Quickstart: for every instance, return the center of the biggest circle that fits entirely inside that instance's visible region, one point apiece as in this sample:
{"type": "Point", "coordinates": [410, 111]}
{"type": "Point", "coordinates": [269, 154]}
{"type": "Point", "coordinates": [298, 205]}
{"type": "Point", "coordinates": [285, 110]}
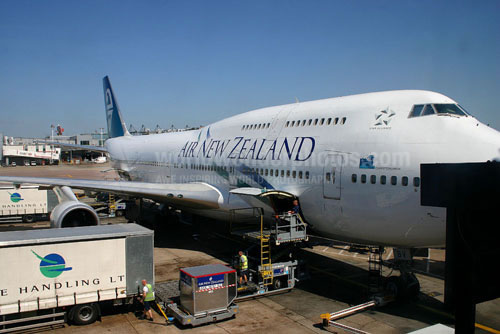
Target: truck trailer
{"type": "Point", "coordinates": [70, 272]}
{"type": "Point", "coordinates": [27, 203]}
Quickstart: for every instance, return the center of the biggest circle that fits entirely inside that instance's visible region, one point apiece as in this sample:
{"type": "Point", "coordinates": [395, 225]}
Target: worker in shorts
{"type": "Point", "coordinates": [148, 296]}
{"type": "Point", "coordinates": [243, 268]}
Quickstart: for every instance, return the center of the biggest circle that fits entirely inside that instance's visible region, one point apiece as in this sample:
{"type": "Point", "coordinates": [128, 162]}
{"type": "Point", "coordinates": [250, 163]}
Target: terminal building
{"type": "Point", "coordinates": [13, 154]}
{"type": "Point", "coordinates": [18, 151]}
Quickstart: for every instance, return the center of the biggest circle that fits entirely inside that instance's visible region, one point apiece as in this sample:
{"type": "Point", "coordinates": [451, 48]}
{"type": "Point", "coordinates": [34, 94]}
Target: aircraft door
{"type": "Point", "coordinates": [332, 172]}
{"type": "Point", "coordinates": [279, 121]}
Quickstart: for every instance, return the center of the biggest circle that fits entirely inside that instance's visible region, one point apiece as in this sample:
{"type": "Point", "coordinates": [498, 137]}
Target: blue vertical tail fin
{"type": "Point", "coordinates": [116, 125]}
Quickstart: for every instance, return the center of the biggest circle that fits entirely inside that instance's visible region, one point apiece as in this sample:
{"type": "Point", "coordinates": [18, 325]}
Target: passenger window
{"type": "Point", "coordinates": [354, 178]}
{"type": "Point", "coordinates": [292, 124]}
{"type": "Point", "coordinates": [373, 179]}
{"type": "Point", "coordinates": [417, 109]}
{"type": "Point", "coordinates": [286, 125]}
{"type": "Point", "coordinates": [404, 181]}
{"type": "Point", "coordinates": [243, 127]}
{"type": "Point", "coordinates": [277, 173]}
{"type": "Point", "coordinates": [300, 174]}
{"type": "Point", "coordinates": [307, 175]}
{"type": "Point", "coordinates": [336, 121]}
{"type": "Point", "coordinates": [266, 172]}
{"type": "Point", "coordinates": [394, 180]}
{"type": "Point", "coordinates": [310, 121]}
{"type": "Point", "coordinates": [298, 123]}
{"type": "Point", "coordinates": [262, 171]}
{"type": "Point", "coordinates": [344, 119]}
{"type": "Point", "coordinates": [428, 110]}
{"type": "Point", "coordinates": [268, 125]}
{"type": "Point", "coordinates": [328, 121]}
{"type": "Point", "coordinates": [316, 121]}
{"type": "Point", "coordinates": [294, 174]}
{"type": "Point", "coordinates": [327, 177]}
{"type": "Point", "coordinates": [287, 173]}
{"type": "Point", "coordinates": [282, 173]}
{"type": "Point", "coordinates": [303, 122]}
{"type": "Point", "coordinates": [383, 179]}
{"type": "Point", "coordinates": [416, 182]}
{"type": "Point", "coordinates": [271, 172]}
{"type": "Point", "coordinates": [363, 178]}
{"type": "Point", "coordinates": [322, 121]}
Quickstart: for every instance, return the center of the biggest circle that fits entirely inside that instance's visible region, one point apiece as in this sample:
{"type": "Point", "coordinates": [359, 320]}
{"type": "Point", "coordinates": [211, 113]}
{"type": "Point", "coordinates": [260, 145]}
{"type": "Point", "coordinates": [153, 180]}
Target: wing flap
{"type": "Point", "coordinates": [193, 195]}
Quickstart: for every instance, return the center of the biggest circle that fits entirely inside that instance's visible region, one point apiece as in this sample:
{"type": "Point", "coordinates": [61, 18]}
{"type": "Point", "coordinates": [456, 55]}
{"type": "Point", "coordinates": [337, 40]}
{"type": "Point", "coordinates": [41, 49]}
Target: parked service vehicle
{"type": "Point", "coordinates": [68, 273]}
{"type": "Point", "coordinates": [33, 163]}
{"type": "Point", "coordinates": [27, 203]}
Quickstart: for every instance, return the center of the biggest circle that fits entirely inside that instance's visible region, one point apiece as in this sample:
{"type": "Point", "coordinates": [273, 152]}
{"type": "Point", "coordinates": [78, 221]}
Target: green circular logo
{"type": "Point", "coordinates": [16, 197]}
{"type": "Point", "coordinates": [52, 265]}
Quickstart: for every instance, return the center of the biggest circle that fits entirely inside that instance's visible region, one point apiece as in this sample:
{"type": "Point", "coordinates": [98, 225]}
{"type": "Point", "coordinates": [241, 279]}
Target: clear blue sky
{"type": "Point", "coordinates": [194, 62]}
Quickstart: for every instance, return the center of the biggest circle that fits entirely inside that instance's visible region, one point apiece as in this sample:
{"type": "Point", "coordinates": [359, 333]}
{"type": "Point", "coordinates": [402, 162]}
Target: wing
{"type": "Point", "coordinates": [192, 195]}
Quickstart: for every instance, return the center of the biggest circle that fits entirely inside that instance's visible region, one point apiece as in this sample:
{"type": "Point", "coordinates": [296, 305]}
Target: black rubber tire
{"type": "Point", "coordinates": [277, 283]}
{"type": "Point", "coordinates": [84, 314]}
{"type": "Point", "coordinates": [393, 285]}
{"type": "Point", "coordinates": [405, 287]}
{"type": "Point", "coordinates": [412, 287]}
{"type": "Point", "coordinates": [28, 219]}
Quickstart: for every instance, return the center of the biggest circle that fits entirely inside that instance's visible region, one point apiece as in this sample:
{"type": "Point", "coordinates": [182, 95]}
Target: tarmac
{"type": "Point", "coordinates": [338, 279]}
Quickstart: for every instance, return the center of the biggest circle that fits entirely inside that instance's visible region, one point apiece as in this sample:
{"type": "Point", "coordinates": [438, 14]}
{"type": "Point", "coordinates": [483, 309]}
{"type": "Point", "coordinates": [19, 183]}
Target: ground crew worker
{"type": "Point", "coordinates": [296, 208]}
{"type": "Point", "coordinates": [148, 296]}
{"type": "Point", "coordinates": [243, 268]}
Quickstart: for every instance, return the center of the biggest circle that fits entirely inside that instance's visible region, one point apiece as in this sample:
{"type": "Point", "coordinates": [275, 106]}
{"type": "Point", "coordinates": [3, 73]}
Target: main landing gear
{"type": "Point", "coordinates": [406, 285]}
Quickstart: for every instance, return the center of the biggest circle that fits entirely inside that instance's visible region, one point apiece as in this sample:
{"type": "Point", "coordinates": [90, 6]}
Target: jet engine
{"type": "Point", "coordinates": [73, 214]}
{"type": "Point", "coordinates": [70, 212]}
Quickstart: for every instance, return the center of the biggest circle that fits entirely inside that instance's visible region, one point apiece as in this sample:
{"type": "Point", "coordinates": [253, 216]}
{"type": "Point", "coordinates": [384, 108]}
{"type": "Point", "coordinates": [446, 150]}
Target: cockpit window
{"type": "Point", "coordinates": [451, 109]}
{"type": "Point", "coordinates": [428, 110]}
{"type": "Point", "coordinates": [440, 109]}
{"type": "Point", "coordinates": [417, 109]}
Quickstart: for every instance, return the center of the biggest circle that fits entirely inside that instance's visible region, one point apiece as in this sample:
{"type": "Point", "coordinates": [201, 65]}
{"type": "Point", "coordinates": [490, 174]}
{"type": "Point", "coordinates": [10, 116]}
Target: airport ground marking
{"type": "Point", "coordinates": [486, 328]}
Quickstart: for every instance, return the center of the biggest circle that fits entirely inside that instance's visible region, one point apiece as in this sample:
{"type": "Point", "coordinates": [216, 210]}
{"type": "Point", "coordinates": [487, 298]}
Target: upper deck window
{"type": "Point", "coordinates": [437, 108]}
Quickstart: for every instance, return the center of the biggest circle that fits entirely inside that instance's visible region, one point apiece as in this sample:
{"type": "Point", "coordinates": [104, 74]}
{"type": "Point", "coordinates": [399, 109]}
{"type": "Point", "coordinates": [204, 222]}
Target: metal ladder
{"type": "Point", "coordinates": [266, 266]}
{"type": "Point", "coordinates": [375, 269]}
{"type": "Point", "coordinates": [111, 205]}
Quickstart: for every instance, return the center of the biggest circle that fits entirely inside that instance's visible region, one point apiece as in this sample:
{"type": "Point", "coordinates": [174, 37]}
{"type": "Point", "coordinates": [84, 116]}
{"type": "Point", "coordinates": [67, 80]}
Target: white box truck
{"type": "Point", "coordinates": [69, 272]}
{"type": "Point", "coordinates": [27, 203]}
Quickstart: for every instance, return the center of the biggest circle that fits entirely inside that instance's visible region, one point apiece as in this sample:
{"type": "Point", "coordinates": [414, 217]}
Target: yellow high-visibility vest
{"type": "Point", "coordinates": [150, 294]}
{"type": "Point", "coordinates": [243, 262]}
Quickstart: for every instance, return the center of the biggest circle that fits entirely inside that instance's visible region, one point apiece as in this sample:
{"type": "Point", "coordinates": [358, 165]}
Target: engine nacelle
{"type": "Point", "coordinates": [73, 214]}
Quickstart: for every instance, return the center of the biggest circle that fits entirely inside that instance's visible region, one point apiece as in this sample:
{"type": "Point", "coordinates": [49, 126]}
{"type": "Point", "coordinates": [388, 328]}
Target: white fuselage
{"type": "Point", "coordinates": [335, 161]}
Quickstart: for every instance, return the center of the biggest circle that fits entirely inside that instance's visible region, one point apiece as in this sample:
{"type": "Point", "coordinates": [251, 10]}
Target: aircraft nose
{"type": "Point", "coordinates": [495, 144]}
